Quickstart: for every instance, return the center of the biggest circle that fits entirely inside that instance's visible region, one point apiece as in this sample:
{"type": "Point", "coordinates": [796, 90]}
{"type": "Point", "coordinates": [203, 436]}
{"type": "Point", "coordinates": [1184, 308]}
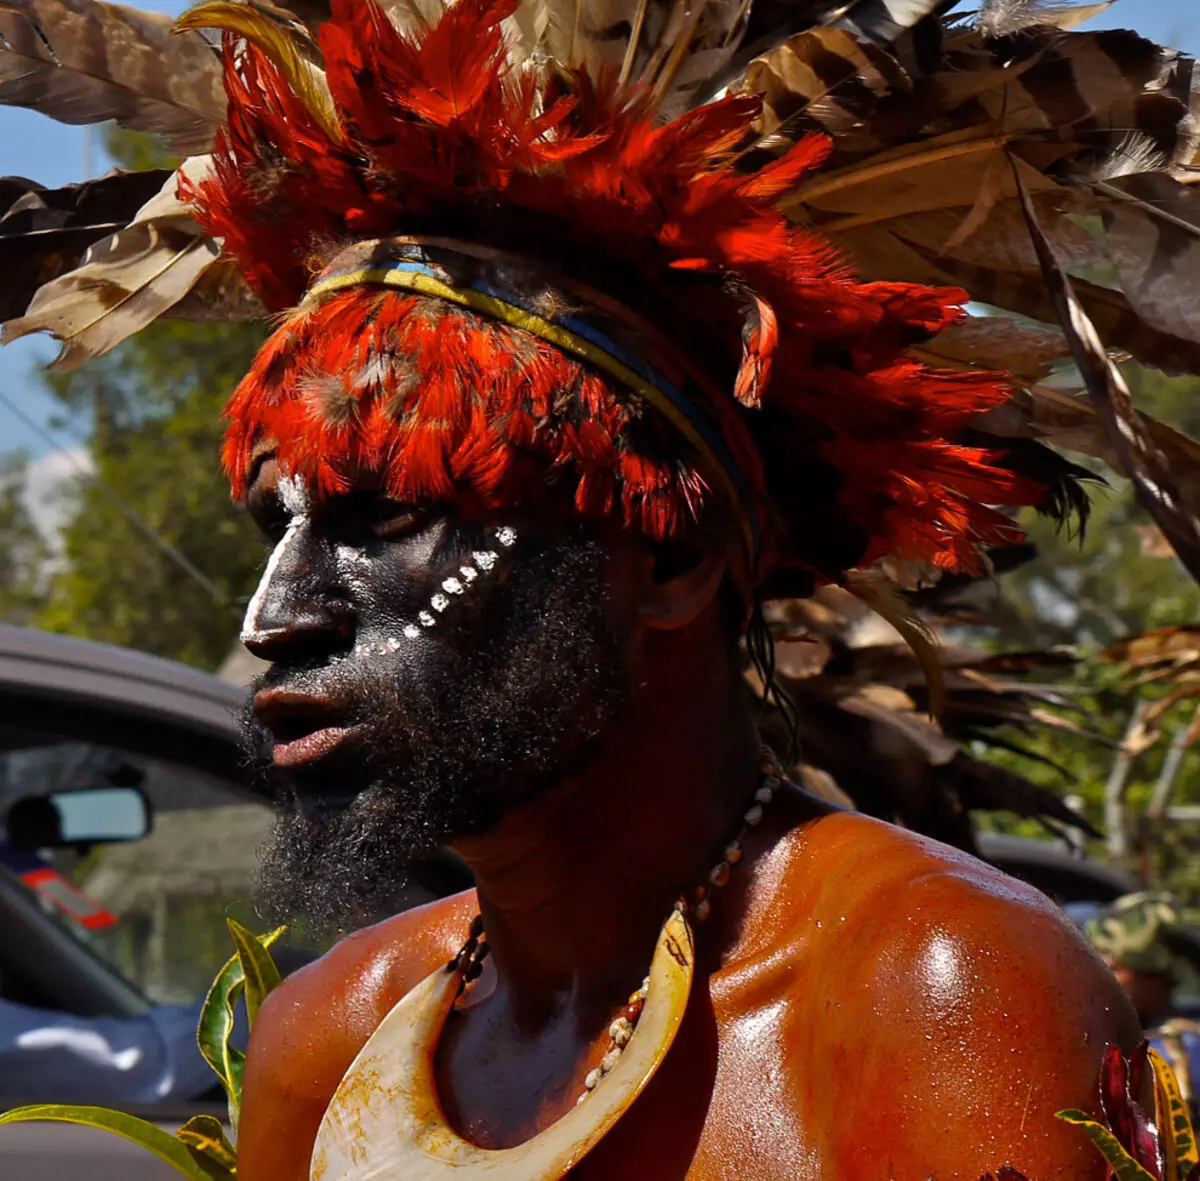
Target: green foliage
{"type": "Point", "coordinates": [1164, 1143]}
{"type": "Point", "coordinates": [200, 1150]}
{"type": "Point", "coordinates": [196, 1166]}
{"type": "Point", "coordinates": [156, 501]}
{"type": "Point", "coordinates": [154, 406]}
{"type": "Point", "coordinates": [23, 551]}
{"type": "Point", "coordinates": [1088, 596]}
{"type": "Point", "coordinates": [252, 963]}
{"type": "Point", "coordinates": [1105, 588]}
{"type": "Point", "coordinates": [1123, 1166]}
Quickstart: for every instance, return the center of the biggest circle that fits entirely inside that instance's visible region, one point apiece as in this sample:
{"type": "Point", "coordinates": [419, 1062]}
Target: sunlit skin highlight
{"type": "Point", "coordinates": [868, 1004]}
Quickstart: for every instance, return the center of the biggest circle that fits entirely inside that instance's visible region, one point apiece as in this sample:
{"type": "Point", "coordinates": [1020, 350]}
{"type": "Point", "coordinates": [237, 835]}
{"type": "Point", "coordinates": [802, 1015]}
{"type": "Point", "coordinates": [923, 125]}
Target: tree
{"type": "Point", "coordinates": [154, 406]}
{"type": "Point", "coordinates": [154, 554]}
{"type": "Point", "coordinates": [1106, 586]}
{"type": "Point", "coordinates": [23, 551]}
{"type": "Point", "coordinates": [1089, 595]}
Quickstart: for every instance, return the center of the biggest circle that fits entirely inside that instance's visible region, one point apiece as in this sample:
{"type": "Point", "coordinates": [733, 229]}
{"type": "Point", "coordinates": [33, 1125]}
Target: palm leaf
{"type": "Point", "coordinates": [1142, 458]}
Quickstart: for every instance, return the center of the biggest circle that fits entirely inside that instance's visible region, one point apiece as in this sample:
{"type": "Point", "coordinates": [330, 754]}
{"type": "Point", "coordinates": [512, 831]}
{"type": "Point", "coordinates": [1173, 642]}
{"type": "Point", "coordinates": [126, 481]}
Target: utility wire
{"type": "Point", "coordinates": [134, 518]}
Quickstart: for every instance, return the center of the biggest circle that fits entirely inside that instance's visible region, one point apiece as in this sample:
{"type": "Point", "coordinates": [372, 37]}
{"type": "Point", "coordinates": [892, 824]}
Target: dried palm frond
{"type": "Point", "coordinates": [125, 280]}
{"type": "Point", "coordinates": [865, 732]}
{"type": "Point", "coordinates": [1168, 657]}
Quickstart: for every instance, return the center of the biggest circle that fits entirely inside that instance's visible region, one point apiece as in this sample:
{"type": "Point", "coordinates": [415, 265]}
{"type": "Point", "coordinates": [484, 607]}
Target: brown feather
{"type": "Point", "coordinates": [83, 61]}
{"type": "Point", "coordinates": [45, 232]}
{"type": "Point", "coordinates": [1148, 467]}
{"type": "Point", "coordinates": [1152, 226]}
{"type": "Point", "coordinates": [125, 281]}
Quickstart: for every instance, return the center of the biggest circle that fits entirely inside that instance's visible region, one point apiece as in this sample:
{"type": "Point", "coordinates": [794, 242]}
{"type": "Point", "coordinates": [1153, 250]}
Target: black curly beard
{"type": "Point", "coordinates": [514, 696]}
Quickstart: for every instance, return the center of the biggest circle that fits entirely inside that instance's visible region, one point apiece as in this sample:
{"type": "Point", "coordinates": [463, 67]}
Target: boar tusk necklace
{"type": "Point", "coordinates": [386, 1122]}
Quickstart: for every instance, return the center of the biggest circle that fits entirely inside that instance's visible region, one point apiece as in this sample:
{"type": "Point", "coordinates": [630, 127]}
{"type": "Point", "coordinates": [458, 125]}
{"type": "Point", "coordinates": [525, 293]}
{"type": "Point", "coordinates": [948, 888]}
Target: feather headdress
{"type": "Point", "coordinates": [681, 264]}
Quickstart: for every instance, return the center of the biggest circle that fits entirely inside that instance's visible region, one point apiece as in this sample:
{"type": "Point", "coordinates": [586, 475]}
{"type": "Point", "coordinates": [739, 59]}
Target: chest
{"type": "Point", "coordinates": [722, 1104]}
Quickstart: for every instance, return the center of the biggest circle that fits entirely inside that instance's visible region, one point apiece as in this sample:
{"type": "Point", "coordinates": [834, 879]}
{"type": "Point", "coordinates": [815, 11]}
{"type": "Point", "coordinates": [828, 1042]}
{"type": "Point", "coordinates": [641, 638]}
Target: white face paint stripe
{"type": "Point", "coordinates": [251, 626]}
{"type": "Point", "coordinates": [293, 492]}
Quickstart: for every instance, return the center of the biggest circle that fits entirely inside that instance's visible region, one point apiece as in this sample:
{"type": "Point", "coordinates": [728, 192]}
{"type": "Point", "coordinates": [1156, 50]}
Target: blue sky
{"type": "Point", "coordinates": [52, 154]}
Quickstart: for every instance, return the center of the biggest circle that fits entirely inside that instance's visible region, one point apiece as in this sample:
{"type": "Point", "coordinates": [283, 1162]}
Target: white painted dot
{"type": "Point", "coordinates": [469, 573]}
{"type": "Point", "coordinates": [411, 631]}
{"type": "Point", "coordinates": [393, 644]}
{"type": "Point", "coordinates": [506, 536]}
{"type": "Point", "coordinates": [439, 602]}
{"type": "Point", "coordinates": [452, 586]}
{"type": "Point", "coordinates": [485, 559]}
{"type": "Point", "coordinates": [426, 619]}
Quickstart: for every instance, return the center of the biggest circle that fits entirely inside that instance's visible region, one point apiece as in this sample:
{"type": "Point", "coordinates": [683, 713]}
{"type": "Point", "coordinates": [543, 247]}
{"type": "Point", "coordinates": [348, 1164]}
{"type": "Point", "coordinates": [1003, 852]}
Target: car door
{"type": "Point", "coordinates": [103, 938]}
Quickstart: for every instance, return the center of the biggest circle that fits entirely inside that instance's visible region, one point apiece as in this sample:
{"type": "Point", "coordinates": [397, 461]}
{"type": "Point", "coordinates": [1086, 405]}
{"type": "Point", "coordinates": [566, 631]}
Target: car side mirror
{"type": "Point", "coordinates": [90, 816]}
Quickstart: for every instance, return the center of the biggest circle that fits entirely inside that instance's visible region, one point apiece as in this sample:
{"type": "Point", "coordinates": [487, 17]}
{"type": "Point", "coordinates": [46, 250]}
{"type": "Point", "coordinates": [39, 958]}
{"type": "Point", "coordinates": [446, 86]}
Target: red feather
{"type": "Point", "coordinates": [442, 135]}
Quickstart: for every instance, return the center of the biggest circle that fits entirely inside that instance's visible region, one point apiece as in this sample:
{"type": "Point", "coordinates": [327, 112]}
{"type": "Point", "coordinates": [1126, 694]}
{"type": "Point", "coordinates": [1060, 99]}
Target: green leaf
{"type": "Point", "coordinates": [194, 1166]}
{"type": "Point", "coordinates": [216, 1027]}
{"type": "Point", "coordinates": [1124, 1167]}
{"type": "Point", "coordinates": [1174, 1121]}
{"type": "Point", "coordinates": [204, 1134]}
{"type": "Point", "coordinates": [261, 975]}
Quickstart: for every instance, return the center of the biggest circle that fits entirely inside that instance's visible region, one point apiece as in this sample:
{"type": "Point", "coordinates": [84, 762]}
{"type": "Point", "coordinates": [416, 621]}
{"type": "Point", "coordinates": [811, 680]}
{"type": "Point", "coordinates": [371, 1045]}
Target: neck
{"type": "Point", "coordinates": [575, 888]}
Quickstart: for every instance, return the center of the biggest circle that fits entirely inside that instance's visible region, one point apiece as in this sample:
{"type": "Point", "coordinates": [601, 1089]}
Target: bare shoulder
{"type": "Point", "coordinates": [969, 994]}
{"type": "Point", "coordinates": [947, 932]}
{"type": "Point", "coordinates": [313, 1025]}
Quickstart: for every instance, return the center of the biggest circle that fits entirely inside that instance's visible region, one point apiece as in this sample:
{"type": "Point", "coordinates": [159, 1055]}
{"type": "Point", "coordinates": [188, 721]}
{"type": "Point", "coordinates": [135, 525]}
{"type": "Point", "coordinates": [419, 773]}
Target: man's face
{"type": "Point", "coordinates": [430, 673]}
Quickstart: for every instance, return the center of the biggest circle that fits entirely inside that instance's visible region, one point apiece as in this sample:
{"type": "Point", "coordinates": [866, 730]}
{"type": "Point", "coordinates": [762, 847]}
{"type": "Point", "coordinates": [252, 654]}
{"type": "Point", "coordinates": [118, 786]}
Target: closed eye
{"type": "Point", "coordinates": [397, 520]}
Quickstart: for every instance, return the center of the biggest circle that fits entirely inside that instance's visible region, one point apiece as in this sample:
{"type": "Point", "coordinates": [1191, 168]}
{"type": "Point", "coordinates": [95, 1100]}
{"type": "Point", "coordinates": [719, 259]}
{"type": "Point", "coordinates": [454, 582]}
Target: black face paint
{"type": "Point", "coordinates": [504, 697]}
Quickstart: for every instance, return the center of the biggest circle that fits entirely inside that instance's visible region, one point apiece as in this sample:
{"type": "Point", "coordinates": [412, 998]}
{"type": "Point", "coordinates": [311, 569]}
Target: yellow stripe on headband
{"type": "Point", "coordinates": [555, 334]}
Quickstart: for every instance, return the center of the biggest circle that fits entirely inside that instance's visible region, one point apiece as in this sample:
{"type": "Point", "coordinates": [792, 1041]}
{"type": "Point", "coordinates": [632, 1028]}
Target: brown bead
{"type": "Point", "coordinates": [719, 876]}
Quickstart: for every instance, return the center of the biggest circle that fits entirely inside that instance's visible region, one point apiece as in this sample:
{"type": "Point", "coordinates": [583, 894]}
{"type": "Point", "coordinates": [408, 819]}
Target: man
{"type": "Point", "coordinates": [502, 610]}
{"type": "Point", "coordinates": [557, 398]}
{"type": "Point", "coordinates": [1134, 938]}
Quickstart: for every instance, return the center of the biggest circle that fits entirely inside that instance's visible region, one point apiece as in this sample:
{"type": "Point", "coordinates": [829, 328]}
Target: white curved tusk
{"type": "Point", "coordinates": [386, 1121]}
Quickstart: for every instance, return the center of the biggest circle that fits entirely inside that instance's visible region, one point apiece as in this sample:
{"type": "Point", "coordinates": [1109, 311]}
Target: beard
{"type": "Point", "coordinates": [513, 694]}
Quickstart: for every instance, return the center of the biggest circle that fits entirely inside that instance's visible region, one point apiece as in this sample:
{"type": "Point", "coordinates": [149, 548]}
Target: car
{"type": "Point", "coordinates": [110, 928]}
{"type": "Point", "coordinates": [136, 917]}
{"type": "Point", "coordinates": [1061, 873]}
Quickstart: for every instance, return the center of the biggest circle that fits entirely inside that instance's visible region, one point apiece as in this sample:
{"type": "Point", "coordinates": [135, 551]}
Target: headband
{"type": "Point", "coordinates": [571, 317]}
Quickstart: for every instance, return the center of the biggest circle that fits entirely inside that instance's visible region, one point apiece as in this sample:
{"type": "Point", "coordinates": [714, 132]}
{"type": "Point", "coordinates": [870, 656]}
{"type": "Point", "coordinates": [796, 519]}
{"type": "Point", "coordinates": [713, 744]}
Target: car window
{"type": "Point", "coordinates": [153, 909]}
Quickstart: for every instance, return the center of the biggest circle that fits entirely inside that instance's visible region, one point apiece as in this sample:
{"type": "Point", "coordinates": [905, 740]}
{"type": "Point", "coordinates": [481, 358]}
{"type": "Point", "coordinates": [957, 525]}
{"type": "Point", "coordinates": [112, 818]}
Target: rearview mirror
{"type": "Point", "coordinates": [91, 816]}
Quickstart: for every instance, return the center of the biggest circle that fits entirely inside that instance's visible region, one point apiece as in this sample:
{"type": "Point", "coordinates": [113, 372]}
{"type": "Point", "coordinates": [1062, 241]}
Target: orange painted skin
{"type": "Point", "coordinates": [868, 1005]}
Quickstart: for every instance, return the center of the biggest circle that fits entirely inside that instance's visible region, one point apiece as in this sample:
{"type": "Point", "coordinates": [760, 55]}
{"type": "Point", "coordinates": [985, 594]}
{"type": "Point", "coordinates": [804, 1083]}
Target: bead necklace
{"type": "Point", "coordinates": [474, 952]}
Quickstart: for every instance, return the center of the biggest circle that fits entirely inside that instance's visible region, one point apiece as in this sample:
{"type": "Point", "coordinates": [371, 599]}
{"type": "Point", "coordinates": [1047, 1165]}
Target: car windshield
{"type": "Point", "coordinates": [153, 909]}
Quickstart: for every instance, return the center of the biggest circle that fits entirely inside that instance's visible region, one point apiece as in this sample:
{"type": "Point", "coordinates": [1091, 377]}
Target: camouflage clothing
{"type": "Point", "coordinates": [1134, 930]}
{"type": "Point", "coordinates": [1178, 1041]}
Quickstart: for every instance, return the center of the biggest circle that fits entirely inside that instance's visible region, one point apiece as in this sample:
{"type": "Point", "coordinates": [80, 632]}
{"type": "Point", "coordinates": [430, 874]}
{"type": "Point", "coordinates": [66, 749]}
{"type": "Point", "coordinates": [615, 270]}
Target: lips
{"type": "Point", "coordinates": [305, 726]}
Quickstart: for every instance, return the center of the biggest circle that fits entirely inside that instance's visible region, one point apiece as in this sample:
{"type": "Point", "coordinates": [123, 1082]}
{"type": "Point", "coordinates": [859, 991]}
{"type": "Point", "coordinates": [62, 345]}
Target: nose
{"type": "Point", "coordinates": [298, 612]}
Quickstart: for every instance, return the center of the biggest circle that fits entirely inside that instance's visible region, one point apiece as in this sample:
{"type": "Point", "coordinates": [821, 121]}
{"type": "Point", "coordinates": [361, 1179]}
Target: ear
{"type": "Point", "coordinates": [677, 601]}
